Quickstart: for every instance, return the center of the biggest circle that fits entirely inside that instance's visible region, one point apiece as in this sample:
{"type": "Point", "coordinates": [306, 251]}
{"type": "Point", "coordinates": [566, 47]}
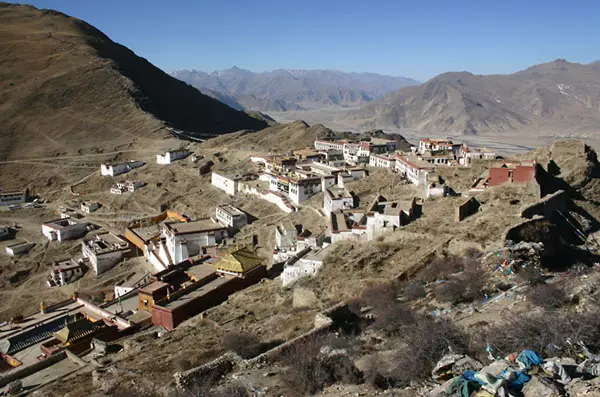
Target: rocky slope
{"type": "Point", "coordinates": [285, 90]}
{"type": "Point", "coordinates": [555, 95]}
{"type": "Point", "coordinates": [66, 86]}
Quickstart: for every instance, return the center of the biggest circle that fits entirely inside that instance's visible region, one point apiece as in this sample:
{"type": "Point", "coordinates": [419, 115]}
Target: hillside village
{"type": "Point", "coordinates": [159, 241]}
{"type": "Point", "coordinates": [183, 269]}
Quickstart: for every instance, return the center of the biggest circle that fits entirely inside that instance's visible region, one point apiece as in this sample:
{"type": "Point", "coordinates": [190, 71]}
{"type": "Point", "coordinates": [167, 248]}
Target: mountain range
{"type": "Point", "coordinates": [66, 86]}
{"type": "Point", "coordinates": [556, 95]}
{"type": "Point", "coordinates": [286, 90]}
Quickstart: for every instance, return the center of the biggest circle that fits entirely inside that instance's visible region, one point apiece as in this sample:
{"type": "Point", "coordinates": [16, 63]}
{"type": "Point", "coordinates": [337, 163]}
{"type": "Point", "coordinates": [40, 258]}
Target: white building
{"type": "Point", "coordinates": [382, 161]}
{"type": "Point", "coordinates": [231, 217]}
{"type": "Point", "coordinates": [445, 160]}
{"type": "Point", "coordinates": [307, 266]}
{"type": "Point", "coordinates": [337, 199]}
{"type": "Point", "coordinates": [229, 182]}
{"type": "Point", "coordinates": [126, 186]}
{"type": "Point", "coordinates": [171, 155]}
{"type": "Point", "coordinates": [386, 217]}
{"type": "Point", "coordinates": [286, 236]}
{"type": "Point", "coordinates": [19, 248]}
{"type": "Point", "coordinates": [297, 189]}
{"type": "Point", "coordinates": [64, 229]}
{"type": "Point", "coordinates": [466, 155]}
{"type": "Point", "coordinates": [329, 145]}
{"type": "Point", "coordinates": [89, 206]}
{"type": "Point", "coordinates": [187, 239]}
{"type": "Point", "coordinates": [413, 169]}
{"type": "Point", "coordinates": [12, 198]}
{"type": "Point", "coordinates": [104, 251]}
{"type": "Point", "coordinates": [435, 145]}
{"type": "Point", "coordinates": [119, 168]}
{"type": "Point", "coordinates": [63, 273]}
{"type": "Point", "coordinates": [349, 225]}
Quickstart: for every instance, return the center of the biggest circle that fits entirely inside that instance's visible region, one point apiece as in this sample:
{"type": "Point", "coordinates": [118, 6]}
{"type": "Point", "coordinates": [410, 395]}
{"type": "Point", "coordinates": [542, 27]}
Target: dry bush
{"type": "Point", "coordinates": [531, 275]}
{"type": "Point", "coordinates": [548, 296]}
{"type": "Point", "coordinates": [441, 268]}
{"type": "Point", "coordinates": [181, 364]}
{"type": "Point", "coordinates": [414, 291]}
{"type": "Point", "coordinates": [244, 344]}
{"type": "Point", "coordinates": [425, 342]}
{"type": "Point", "coordinates": [546, 332]}
{"type": "Point", "coordinates": [379, 295]}
{"type": "Point", "coordinates": [308, 372]}
{"type": "Point", "coordinates": [231, 390]}
{"type": "Point", "coordinates": [464, 288]}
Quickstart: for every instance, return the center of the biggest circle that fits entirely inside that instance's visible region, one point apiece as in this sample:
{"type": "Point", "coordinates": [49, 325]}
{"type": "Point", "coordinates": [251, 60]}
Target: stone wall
{"type": "Point", "coordinates": [31, 369]}
{"type": "Point", "coordinates": [468, 208]}
{"type": "Point", "coordinates": [227, 362]}
{"type": "Point", "coordinates": [546, 206]}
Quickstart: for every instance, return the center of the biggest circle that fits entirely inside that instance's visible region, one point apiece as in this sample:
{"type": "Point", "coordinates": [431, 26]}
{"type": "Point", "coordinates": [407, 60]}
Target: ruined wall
{"type": "Point", "coordinates": [226, 363]}
{"type": "Point", "coordinates": [468, 208]}
{"type": "Point", "coordinates": [546, 206]}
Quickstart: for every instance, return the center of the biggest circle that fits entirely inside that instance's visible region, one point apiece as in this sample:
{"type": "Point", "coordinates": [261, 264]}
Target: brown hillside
{"type": "Point", "coordinates": [556, 96]}
{"type": "Point", "coordinates": [66, 86]}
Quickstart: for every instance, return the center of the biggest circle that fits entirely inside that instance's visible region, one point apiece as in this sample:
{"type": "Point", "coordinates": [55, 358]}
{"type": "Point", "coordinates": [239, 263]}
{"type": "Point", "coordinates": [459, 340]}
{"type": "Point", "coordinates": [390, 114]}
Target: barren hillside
{"type": "Point", "coordinates": [556, 95]}
{"type": "Point", "coordinates": [66, 86]}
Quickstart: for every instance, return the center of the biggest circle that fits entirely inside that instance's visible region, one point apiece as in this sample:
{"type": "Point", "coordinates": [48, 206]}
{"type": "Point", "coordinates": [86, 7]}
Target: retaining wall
{"type": "Point", "coordinates": [31, 369]}
{"type": "Point", "coordinates": [546, 206]}
{"type": "Point", "coordinates": [226, 363]}
{"type": "Point", "coordinates": [468, 208]}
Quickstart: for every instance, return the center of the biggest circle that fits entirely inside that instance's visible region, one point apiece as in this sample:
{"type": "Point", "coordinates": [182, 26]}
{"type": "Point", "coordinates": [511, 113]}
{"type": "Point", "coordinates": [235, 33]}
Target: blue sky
{"type": "Point", "coordinates": [418, 39]}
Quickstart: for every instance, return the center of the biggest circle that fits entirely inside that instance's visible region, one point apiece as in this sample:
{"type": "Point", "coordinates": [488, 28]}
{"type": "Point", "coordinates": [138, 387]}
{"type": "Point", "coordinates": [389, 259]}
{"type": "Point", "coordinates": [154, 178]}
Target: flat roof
{"type": "Point", "coordinates": [68, 264]}
{"type": "Point", "coordinates": [286, 224]}
{"type": "Point", "coordinates": [415, 162]}
{"type": "Point", "coordinates": [153, 287]}
{"type": "Point", "coordinates": [337, 193]}
{"type": "Point", "coordinates": [18, 244]}
{"type": "Point", "coordinates": [394, 207]}
{"type": "Point", "coordinates": [59, 223]}
{"type": "Point", "coordinates": [197, 293]}
{"type": "Point", "coordinates": [200, 271]}
{"type": "Point", "coordinates": [146, 233]}
{"type": "Point", "coordinates": [231, 210]}
{"type": "Point", "coordinates": [319, 255]}
{"type": "Point", "coordinates": [338, 221]}
{"type": "Point", "coordinates": [198, 226]}
{"type": "Point", "coordinates": [322, 167]}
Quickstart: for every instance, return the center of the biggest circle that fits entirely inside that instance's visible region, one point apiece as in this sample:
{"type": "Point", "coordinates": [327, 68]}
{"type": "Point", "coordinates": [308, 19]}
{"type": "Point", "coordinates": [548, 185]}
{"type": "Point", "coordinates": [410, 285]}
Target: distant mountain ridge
{"type": "Point", "coordinates": [284, 90]}
{"type": "Point", "coordinates": [556, 95]}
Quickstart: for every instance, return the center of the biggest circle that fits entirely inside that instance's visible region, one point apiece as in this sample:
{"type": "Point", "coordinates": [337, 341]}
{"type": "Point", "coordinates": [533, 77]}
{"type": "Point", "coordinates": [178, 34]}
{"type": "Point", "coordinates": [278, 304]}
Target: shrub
{"type": "Point", "coordinates": [425, 342]}
{"type": "Point", "coordinates": [441, 268]}
{"type": "Point", "coordinates": [244, 344]}
{"type": "Point", "coordinates": [231, 390]}
{"type": "Point", "coordinates": [548, 296]}
{"type": "Point", "coordinates": [414, 291]}
{"type": "Point", "coordinates": [464, 288]}
{"type": "Point", "coordinates": [308, 372]}
{"type": "Point", "coordinates": [546, 332]}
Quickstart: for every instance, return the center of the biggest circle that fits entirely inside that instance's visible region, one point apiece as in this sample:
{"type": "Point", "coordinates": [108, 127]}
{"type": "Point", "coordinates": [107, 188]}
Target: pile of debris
{"type": "Point", "coordinates": [514, 258]}
{"type": "Point", "coordinates": [524, 374]}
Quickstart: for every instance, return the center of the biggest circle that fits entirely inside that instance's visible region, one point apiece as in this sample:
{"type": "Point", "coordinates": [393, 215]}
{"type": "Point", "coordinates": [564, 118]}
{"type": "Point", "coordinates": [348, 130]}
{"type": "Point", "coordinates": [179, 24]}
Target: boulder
{"type": "Point", "coordinates": [580, 387]}
{"type": "Point", "coordinates": [322, 321]}
{"type": "Point", "coordinates": [540, 387]}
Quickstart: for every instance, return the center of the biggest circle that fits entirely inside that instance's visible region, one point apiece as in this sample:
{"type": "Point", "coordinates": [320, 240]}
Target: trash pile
{"type": "Point", "coordinates": [514, 258]}
{"type": "Point", "coordinates": [524, 374]}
